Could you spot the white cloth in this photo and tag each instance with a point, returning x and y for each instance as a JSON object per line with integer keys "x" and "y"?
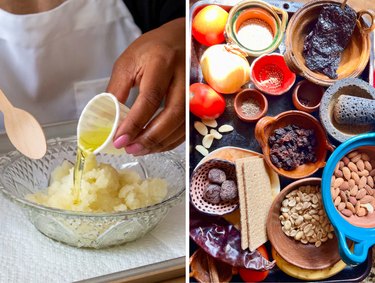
{"x": 28, "y": 256}
{"x": 53, "y": 62}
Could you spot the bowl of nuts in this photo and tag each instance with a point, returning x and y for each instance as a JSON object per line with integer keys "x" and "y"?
{"x": 213, "y": 187}
{"x": 298, "y": 227}
{"x": 348, "y": 194}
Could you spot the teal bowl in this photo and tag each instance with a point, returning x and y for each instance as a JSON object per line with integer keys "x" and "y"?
{"x": 362, "y": 232}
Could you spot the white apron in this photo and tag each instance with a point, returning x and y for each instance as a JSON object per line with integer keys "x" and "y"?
{"x": 52, "y": 63}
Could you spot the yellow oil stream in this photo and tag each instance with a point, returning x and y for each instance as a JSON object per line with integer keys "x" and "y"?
{"x": 88, "y": 142}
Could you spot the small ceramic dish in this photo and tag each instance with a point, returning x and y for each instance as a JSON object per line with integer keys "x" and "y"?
{"x": 361, "y": 230}
{"x": 306, "y": 256}
{"x": 271, "y": 75}
{"x": 199, "y": 180}
{"x": 307, "y": 95}
{"x": 242, "y": 23}
{"x": 266, "y": 126}
{"x": 248, "y": 100}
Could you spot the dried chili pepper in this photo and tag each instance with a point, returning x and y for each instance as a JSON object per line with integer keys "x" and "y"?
{"x": 222, "y": 240}
{"x": 324, "y": 44}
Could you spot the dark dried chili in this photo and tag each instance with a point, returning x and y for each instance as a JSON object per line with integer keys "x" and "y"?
{"x": 324, "y": 44}
{"x": 222, "y": 240}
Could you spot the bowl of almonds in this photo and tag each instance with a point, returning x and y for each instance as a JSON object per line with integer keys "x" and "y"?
{"x": 298, "y": 227}
{"x": 348, "y": 193}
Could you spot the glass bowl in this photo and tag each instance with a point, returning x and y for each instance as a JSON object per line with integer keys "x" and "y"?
{"x": 21, "y": 176}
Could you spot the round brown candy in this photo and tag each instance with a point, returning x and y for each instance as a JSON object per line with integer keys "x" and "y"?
{"x": 216, "y": 176}
{"x": 228, "y": 191}
{"x": 211, "y": 193}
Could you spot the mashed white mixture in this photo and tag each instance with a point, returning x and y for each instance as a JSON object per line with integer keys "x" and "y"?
{"x": 103, "y": 189}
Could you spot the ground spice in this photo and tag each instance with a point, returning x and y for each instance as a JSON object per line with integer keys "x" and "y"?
{"x": 250, "y": 107}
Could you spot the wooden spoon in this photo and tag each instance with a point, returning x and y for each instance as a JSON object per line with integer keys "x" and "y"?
{"x": 23, "y": 130}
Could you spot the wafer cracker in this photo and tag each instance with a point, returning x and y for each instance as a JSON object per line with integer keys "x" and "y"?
{"x": 258, "y": 200}
{"x": 242, "y": 200}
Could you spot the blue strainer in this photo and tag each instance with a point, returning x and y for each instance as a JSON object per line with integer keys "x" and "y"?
{"x": 363, "y": 238}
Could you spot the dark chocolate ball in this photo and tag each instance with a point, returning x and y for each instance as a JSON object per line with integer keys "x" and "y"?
{"x": 229, "y": 191}
{"x": 216, "y": 176}
{"x": 211, "y": 193}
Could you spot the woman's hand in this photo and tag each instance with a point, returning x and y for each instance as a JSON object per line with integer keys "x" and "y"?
{"x": 156, "y": 63}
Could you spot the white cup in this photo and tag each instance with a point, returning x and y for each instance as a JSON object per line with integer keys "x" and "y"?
{"x": 102, "y": 111}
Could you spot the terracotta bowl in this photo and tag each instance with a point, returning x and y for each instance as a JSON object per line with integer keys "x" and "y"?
{"x": 266, "y": 126}
{"x": 199, "y": 180}
{"x": 307, "y": 95}
{"x": 354, "y": 58}
{"x": 306, "y": 256}
{"x": 270, "y": 74}
{"x": 246, "y": 94}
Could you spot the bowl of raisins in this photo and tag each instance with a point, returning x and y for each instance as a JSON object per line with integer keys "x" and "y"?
{"x": 294, "y": 143}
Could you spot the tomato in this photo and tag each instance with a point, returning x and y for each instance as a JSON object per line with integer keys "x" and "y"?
{"x": 250, "y": 275}
{"x": 209, "y": 24}
{"x": 206, "y": 103}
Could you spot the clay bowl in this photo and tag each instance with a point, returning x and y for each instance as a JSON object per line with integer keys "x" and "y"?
{"x": 305, "y": 256}
{"x": 244, "y": 96}
{"x": 354, "y": 58}
{"x": 199, "y": 181}
{"x": 266, "y": 126}
{"x": 361, "y": 230}
{"x": 350, "y": 86}
{"x": 307, "y": 95}
{"x": 270, "y": 74}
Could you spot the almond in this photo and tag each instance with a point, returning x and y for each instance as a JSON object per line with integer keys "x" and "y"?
{"x": 370, "y": 181}
{"x": 355, "y": 177}
{"x": 353, "y": 167}
{"x": 363, "y": 173}
{"x": 353, "y": 200}
{"x": 345, "y": 160}
{"x": 207, "y": 140}
{"x": 341, "y": 164}
{"x": 216, "y": 134}
{"x": 354, "y": 191}
{"x": 201, "y": 128}
{"x": 344, "y": 186}
{"x": 350, "y": 206}
{"x": 339, "y": 174}
{"x": 366, "y": 199}
{"x": 353, "y": 154}
{"x": 362, "y": 182}
{"x": 347, "y": 212}
{"x": 361, "y": 193}
{"x": 337, "y": 182}
{"x": 365, "y": 157}
{"x": 343, "y": 197}
{"x": 346, "y": 173}
{"x": 337, "y": 201}
{"x": 360, "y": 165}
{"x": 351, "y": 183}
{"x": 225, "y": 128}
{"x": 356, "y": 158}
{"x": 369, "y": 190}
{"x": 210, "y": 122}
{"x": 368, "y": 166}
{"x": 202, "y": 150}
{"x": 372, "y": 173}
{"x": 341, "y": 206}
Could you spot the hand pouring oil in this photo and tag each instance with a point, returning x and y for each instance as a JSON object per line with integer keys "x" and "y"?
{"x": 88, "y": 142}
